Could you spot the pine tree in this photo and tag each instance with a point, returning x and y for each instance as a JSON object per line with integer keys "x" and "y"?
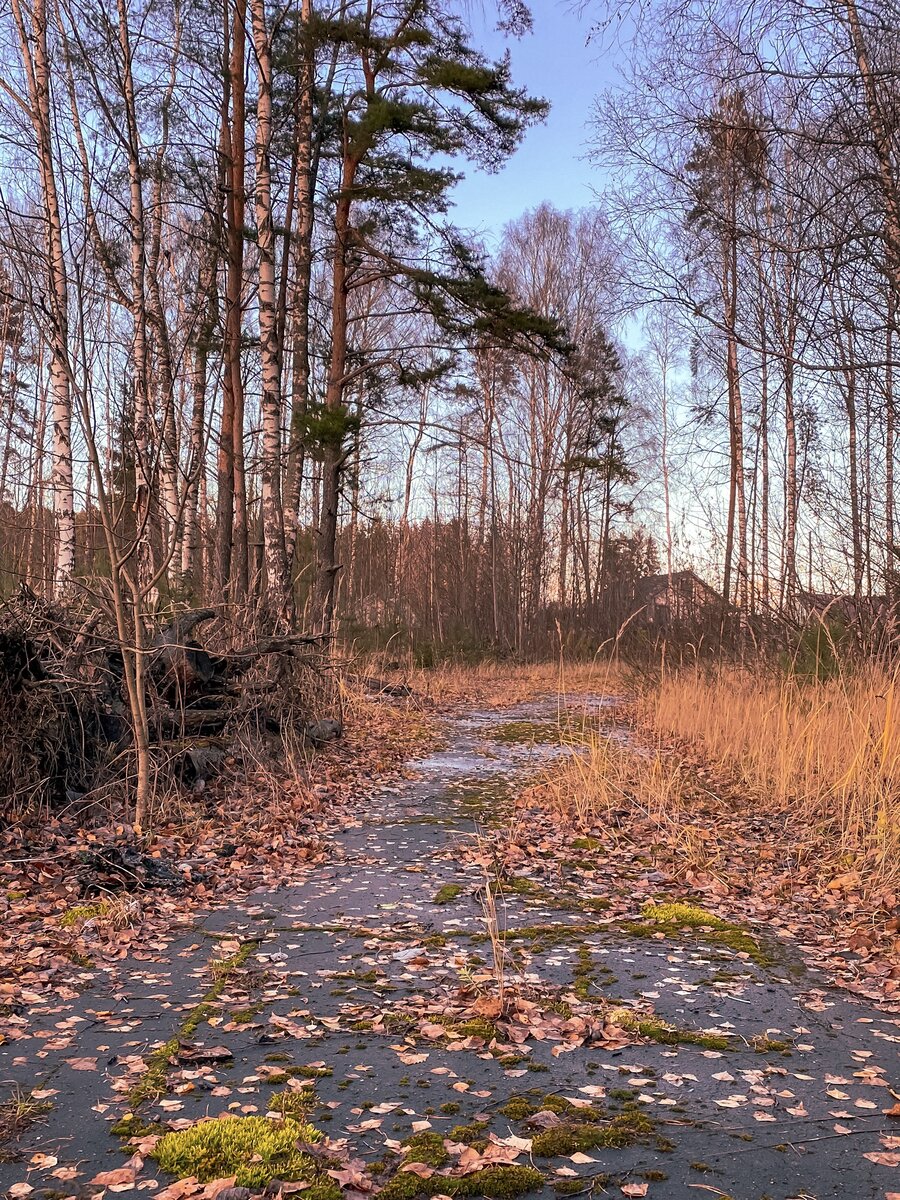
{"x": 415, "y": 96}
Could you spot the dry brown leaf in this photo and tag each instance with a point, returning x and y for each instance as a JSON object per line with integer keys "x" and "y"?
{"x": 883, "y": 1158}
{"x": 545, "y": 1119}
{"x": 113, "y": 1178}
{"x": 216, "y": 1186}
{"x": 416, "y": 1168}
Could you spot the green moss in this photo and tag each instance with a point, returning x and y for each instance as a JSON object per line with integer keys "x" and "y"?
{"x": 292, "y": 1104}
{"x": 518, "y": 1108}
{"x": 447, "y": 894}
{"x": 679, "y": 915}
{"x": 623, "y": 1130}
{"x": 243, "y": 1016}
{"x": 84, "y": 912}
{"x": 565, "y": 1139}
{"x": 397, "y": 1022}
{"x": 255, "y": 1150}
{"x": 81, "y": 960}
{"x": 469, "y": 1135}
{"x": 683, "y": 915}
{"x": 519, "y": 885}
{"x": 358, "y": 976}
{"x": 426, "y": 1148}
{"x": 131, "y": 1126}
{"x": 497, "y": 1183}
{"x": 545, "y": 937}
{"x": 767, "y": 1045}
{"x": 656, "y": 1030}
{"x": 326, "y": 1190}
{"x": 476, "y": 1027}
{"x": 586, "y": 843}
{"x": 511, "y": 1060}
{"x": 449, "y": 1108}
{"x": 584, "y": 974}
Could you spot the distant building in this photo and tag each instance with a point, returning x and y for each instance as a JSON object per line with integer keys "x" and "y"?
{"x": 844, "y": 608}
{"x": 681, "y": 598}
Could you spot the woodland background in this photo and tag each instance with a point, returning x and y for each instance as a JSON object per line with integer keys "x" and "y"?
{"x": 247, "y": 359}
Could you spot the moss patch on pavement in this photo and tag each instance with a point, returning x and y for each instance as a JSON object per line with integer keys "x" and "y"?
{"x": 255, "y": 1150}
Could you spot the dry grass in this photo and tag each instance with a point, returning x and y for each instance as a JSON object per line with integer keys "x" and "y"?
{"x": 822, "y": 756}
{"x": 827, "y": 751}
{"x": 608, "y": 774}
{"x": 497, "y": 933}
{"x": 506, "y": 683}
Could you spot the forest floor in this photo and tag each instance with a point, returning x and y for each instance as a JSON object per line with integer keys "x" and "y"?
{"x": 464, "y": 996}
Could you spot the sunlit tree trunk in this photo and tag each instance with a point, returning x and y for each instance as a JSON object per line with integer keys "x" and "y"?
{"x": 302, "y": 257}
{"x": 232, "y": 506}
{"x": 270, "y": 349}
{"x": 889, "y": 449}
{"x": 35, "y": 59}
{"x": 144, "y": 468}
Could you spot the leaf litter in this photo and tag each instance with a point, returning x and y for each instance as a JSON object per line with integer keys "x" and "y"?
{"x": 435, "y": 1009}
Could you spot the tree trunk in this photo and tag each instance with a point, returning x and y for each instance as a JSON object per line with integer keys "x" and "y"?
{"x": 302, "y": 246}
{"x": 138, "y": 301}
{"x": 33, "y": 46}
{"x": 232, "y": 507}
{"x": 270, "y": 348}
{"x": 890, "y": 437}
{"x": 333, "y": 453}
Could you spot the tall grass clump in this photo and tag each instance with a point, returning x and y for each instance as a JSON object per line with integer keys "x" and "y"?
{"x": 824, "y": 747}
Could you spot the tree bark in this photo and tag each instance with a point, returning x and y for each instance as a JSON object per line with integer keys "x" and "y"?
{"x": 302, "y": 247}
{"x": 232, "y": 513}
{"x": 35, "y": 59}
{"x": 277, "y": 585}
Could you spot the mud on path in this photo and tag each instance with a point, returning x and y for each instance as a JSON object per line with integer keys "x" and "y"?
{"x": 636, "y": 1061}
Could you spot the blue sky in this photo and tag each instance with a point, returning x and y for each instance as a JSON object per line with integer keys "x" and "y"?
{"x": 555, "y": 62}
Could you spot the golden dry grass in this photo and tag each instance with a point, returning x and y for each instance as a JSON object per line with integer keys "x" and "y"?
{"x": 829, "y": 752}
{"x": 822, "y": 757}
{"x": 506, "y": 683}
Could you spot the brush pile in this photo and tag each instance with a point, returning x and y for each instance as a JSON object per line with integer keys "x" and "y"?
{"x": 66, "y": 734}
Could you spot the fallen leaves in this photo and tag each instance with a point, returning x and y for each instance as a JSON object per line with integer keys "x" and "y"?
{"x": 883, "y": 1158}
{"x": 544, "y": 1120}
{"x": 188, "y": 1052}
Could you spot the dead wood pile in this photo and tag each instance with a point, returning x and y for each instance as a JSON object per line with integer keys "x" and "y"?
{"x": 66, "y": 732}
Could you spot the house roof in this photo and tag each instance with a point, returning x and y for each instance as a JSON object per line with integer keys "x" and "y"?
{"x": 653, "y": 585}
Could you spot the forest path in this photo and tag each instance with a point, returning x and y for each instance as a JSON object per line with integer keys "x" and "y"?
{"x": 372, "y": 984}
